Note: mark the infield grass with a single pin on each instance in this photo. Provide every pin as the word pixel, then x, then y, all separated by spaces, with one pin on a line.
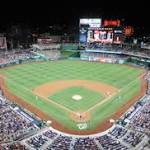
pixel 88 98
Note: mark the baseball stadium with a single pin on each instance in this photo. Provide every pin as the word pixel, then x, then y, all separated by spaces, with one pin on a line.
pixel 87 95
pixel 75 92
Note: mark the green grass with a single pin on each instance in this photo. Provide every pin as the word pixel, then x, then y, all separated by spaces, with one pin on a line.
pixel 115 103
pixel 89 98
pixel 67 53
pixel 23 78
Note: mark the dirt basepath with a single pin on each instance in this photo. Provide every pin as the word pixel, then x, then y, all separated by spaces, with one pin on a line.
pixel 50 88
pixel 100 128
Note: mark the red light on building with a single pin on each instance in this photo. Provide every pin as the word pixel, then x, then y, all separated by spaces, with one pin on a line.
pixel 128 31
pixel 112 23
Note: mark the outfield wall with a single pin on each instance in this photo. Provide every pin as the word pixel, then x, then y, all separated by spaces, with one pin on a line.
pixel 102 57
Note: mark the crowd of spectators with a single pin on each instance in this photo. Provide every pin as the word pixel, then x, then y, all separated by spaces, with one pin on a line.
pixel 138 116
pixel 85 143
pixel 108 142
pixel 118 138
pixel 62 142
pixel 13 146
pixel 141 120
pixel 133 138
pixel 13 57
pixel 10 57
pixel 46 46
pixel 118 132
pixel 148 80
pixel 37 141
pixel 67 142
pixel 7 57
pixel 50 134
pixel 138 53
pixel 124 49
pixel 51 54
pixel 12 125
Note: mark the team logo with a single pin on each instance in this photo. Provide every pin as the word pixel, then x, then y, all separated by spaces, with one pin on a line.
pixel 82 126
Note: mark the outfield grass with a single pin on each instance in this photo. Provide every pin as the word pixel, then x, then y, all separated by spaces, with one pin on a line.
pixel 89 98
pixel 23 78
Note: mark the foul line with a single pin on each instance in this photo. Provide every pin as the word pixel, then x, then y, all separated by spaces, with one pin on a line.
pixel 100 103
pixel 47 99
pixel 59 105
pixel 108 98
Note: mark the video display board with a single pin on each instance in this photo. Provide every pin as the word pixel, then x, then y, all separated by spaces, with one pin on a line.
pixel 84 26
pixel 94 30
pixel 83 35
pixel 91 22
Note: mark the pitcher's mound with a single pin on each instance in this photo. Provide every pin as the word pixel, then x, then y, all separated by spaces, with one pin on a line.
pixel 76 97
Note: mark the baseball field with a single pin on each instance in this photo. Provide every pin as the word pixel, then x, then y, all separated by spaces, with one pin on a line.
pixel 76 96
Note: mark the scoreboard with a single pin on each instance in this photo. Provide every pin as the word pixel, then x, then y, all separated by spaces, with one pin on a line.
pixel 94 30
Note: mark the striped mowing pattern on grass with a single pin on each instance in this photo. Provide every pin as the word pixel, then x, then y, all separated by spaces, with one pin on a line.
pixel 23 78
pixel 89 98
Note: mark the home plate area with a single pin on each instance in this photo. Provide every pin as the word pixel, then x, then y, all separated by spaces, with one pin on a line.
pixel 76 97
pixel 80 117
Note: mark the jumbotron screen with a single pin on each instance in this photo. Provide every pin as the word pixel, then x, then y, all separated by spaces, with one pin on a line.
pixel 93 30
pixel 84 26
pixel 100 36
pixel 93 22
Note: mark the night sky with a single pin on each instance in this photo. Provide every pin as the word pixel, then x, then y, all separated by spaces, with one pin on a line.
pixel 45 13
